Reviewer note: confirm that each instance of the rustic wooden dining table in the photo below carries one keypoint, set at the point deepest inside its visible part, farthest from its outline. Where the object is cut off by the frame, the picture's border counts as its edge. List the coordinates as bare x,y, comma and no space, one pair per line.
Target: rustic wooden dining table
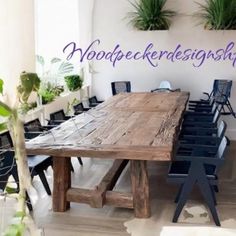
129,127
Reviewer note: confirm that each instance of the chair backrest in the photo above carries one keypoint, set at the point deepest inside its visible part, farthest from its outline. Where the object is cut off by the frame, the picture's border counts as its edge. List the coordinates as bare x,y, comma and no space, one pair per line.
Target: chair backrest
33,125
221,129
78,107
5,140
219,158
165,84
222,90
216,116
7,166
120,87
58,115
221,150
93,99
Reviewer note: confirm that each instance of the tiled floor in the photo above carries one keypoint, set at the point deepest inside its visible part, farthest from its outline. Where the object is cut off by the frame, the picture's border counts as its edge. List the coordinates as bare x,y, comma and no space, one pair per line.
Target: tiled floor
83,220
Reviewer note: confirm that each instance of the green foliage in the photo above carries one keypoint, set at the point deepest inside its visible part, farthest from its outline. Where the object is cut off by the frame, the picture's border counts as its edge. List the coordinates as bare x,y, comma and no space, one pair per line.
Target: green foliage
1,86
218,14
55,60
29,82
40,60
47,96
27,107
15,230
20,214
151,15
3,126
55,71
73,82
48,92
5,110
65,68
10,190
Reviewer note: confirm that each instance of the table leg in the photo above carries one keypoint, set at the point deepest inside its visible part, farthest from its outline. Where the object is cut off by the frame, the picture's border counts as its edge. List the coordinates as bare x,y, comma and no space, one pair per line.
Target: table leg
140,188
61,183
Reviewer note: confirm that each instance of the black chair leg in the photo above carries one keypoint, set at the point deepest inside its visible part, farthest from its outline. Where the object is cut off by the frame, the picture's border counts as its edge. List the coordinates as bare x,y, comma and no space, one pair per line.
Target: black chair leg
80,161
207,194
213,194
216,188
71,167
15,177
28,202
44,182
178,194
187,188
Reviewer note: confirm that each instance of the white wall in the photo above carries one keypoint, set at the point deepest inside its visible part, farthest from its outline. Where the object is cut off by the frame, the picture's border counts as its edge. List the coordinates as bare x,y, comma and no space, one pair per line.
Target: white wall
57,24
111,27
16,41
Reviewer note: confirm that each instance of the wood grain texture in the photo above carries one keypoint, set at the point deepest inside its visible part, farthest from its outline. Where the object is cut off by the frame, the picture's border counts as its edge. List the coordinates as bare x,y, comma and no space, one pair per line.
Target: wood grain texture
61,183
112,198
140,189
133,126
107,183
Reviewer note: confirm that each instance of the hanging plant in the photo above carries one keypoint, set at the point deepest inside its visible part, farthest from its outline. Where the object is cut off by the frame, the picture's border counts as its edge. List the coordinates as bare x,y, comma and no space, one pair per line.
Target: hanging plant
218,14
151,15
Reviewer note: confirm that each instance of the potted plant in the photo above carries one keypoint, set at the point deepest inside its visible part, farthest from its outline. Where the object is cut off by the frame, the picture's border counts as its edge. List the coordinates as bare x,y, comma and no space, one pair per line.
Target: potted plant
151,15
54,71
218,14
49,92
73,82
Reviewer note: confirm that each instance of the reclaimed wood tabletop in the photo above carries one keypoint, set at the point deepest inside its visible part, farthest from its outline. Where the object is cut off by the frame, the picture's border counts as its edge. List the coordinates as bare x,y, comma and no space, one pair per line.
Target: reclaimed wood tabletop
139,126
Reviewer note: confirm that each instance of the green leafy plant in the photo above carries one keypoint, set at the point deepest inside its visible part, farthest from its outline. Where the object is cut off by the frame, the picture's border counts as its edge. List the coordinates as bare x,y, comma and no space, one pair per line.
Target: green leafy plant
218,14
27,107
56,70
29,82
49,92
151,15
13,121
73,82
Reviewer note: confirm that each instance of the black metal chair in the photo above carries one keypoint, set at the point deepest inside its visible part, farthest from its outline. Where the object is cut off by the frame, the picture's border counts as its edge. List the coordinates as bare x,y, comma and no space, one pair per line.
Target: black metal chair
93,101
198,168
120,87
206,137
58,117
37,163
7,168
79,108
201,120
34,128
202,108
220,95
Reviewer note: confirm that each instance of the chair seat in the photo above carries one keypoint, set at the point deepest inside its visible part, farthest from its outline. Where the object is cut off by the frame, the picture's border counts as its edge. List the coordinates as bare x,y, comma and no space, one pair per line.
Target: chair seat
34,161
180,169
